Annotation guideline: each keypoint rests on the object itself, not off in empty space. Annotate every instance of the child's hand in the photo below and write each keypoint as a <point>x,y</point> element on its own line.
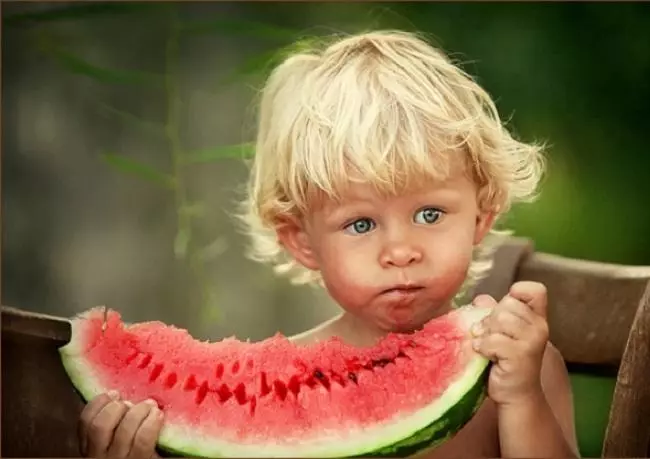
<point>112,428</point>
<point>514,337</point>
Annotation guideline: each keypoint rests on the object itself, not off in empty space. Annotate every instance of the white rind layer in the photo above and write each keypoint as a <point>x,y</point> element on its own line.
<point>188,440</point>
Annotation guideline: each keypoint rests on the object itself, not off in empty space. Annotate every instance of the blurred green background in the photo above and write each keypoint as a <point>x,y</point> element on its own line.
<point>123,124</point>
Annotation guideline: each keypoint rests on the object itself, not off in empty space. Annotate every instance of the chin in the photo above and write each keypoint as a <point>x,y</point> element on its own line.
<point>405,328</point>
<point>402,325</point>
<point>407,320</point>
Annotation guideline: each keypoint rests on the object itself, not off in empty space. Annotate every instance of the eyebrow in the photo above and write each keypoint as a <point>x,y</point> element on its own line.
<point>446,194</point>
<point>344,211</point>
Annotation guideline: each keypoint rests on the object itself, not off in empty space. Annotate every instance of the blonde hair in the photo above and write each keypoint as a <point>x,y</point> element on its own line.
<point>384,106</point>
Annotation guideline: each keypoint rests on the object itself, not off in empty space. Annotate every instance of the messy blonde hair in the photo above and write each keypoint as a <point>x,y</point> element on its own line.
<point>384,106</point>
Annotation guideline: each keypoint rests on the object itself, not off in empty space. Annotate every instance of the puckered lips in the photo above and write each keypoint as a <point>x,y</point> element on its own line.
<point>401,292</point>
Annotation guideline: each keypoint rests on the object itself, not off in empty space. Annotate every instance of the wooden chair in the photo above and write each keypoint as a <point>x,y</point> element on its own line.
<point>599,317</point>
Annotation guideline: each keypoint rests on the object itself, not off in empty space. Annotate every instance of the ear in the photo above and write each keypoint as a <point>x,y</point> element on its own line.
<point>293,237</point>
<point>484,222</point>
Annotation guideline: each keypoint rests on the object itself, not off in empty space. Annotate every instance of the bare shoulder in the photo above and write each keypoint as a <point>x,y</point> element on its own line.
<point>322,331</point>
<point>557,388</point>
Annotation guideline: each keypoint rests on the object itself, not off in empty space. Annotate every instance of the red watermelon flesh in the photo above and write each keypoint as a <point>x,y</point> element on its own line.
<point>273,397</point>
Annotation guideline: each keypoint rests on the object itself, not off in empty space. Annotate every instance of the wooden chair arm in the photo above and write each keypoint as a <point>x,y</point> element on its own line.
<point>40,407</point>
<point>53,329</point>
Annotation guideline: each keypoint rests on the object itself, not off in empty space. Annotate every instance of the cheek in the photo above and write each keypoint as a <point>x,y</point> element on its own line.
<point>451,277</point>
<point>451,263</point>
<point>347,274</point>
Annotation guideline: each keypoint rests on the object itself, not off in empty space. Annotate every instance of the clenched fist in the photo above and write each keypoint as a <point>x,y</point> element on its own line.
<point>114,428</point>
<point>514,336</point>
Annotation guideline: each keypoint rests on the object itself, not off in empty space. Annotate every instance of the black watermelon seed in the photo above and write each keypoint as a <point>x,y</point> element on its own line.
<point>381,362</point>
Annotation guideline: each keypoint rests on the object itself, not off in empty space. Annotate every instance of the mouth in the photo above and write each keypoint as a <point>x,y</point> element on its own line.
<point>402,289</point>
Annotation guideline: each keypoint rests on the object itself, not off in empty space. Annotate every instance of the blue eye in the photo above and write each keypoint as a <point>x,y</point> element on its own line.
<point>428,215</point>
<point>363,225</point>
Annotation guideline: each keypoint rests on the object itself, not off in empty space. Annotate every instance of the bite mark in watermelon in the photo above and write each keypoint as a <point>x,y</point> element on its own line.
<point>273,398</point>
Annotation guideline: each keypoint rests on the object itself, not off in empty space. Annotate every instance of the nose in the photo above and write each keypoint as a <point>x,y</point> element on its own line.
<point>400,255</point>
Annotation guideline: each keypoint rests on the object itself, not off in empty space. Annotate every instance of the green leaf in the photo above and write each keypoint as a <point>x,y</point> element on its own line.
<point>258,65</point>
<point>138,169</point>
<point>242,150</point>
<point>182,242</point>
<point>261,64</point>
<point>77,11</point>
<point>132,120</point>
<point>238,27</point>
<point>79,66</point>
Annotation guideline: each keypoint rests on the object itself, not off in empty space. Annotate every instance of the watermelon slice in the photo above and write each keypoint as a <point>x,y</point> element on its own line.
<point>274,398</point>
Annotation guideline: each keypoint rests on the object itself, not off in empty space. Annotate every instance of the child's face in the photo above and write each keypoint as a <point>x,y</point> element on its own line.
<point>395,262</point>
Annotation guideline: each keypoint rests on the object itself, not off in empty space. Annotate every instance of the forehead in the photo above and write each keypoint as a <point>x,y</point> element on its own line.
<point>405,175</point>
<point>455,187</point>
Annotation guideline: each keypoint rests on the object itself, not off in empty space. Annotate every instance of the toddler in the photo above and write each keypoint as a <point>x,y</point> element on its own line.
<point>380,171</point>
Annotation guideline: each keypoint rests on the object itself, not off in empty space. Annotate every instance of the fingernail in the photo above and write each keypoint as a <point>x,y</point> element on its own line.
<point>113,395</point>
<point>151,403</point>
<point>476,343</point>
<point>477,329</point>
<point>128,403</point>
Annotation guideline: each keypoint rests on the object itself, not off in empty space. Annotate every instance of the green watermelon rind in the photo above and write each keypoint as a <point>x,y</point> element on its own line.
<point>407,435</point>
<point>442,429</point>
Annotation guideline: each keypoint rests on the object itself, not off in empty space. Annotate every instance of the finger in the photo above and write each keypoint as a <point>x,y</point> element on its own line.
<point>494,346</point>
<point>125,432</point>
<point>511,305</point>
<point>144,443</point>
<point>90,411</point>
<point>505,322</point>
<point>508,306</point>
<point>484,301</point>
<point>534,328</point>
<point>534,294</point>
<point>102,428</point>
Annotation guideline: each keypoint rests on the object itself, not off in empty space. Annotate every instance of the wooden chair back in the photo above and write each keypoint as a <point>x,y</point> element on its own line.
<point>599,315</point>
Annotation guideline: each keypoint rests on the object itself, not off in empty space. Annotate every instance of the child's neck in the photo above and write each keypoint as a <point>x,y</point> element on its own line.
<point>355,331</point>
<point>351,329</point>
